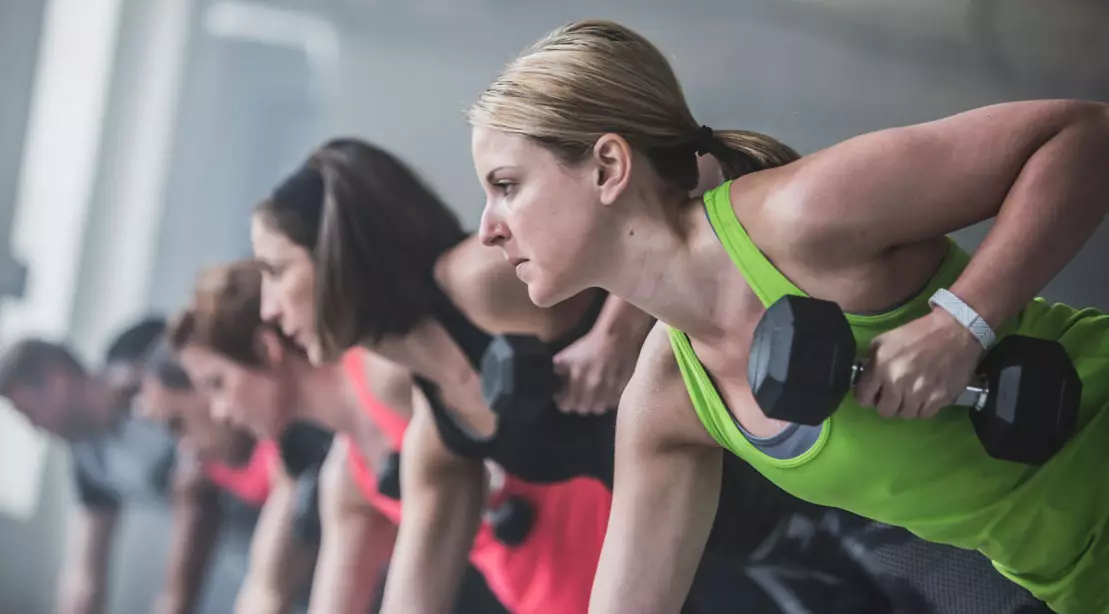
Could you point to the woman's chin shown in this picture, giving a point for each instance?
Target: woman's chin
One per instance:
(546, 295)
(315, 356)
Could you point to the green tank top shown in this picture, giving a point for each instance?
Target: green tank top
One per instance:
(1043, 527)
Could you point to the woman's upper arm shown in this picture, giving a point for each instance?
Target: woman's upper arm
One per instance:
(357, 539)
(338, 491)
(903, 185)
(391, 383)
(665, 494)
(657, 399)
(443, 494)
(425, 451)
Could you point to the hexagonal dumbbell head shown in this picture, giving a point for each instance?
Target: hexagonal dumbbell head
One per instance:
(512, 521)
(517, 376)
(801, 356)
(1032, 408)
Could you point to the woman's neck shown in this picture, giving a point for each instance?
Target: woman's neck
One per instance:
(325, 397)
(672, 267)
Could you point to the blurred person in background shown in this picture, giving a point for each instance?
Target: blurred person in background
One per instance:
(123, 457)
(255, 375)
(279, 482)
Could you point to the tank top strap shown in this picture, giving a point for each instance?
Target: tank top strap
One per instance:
(768, 283)
(393, 424)
(250, 483)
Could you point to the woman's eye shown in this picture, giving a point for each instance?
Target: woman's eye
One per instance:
(272, 271)
(504, 186)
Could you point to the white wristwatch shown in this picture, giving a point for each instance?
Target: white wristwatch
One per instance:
(964, 314)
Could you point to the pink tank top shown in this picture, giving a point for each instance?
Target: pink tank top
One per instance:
(552, 571)
(250, 483)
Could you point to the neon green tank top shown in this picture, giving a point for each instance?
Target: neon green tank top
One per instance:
(1043, 527)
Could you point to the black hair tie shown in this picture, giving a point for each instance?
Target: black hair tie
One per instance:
(704, 140)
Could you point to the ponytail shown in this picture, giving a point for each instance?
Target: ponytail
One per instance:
(591, 78)
(740, 152)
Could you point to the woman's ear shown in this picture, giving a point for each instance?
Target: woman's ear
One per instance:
(613, 157)
(272, 350)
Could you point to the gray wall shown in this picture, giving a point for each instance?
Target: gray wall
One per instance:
(809, 73)
(29, 550)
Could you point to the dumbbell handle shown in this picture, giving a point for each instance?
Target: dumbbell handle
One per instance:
(973, 396)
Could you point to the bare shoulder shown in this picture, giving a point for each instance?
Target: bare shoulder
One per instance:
(655, 408)
(390, 383)
(485, 287)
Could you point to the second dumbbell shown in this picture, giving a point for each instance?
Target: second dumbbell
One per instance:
(802, 364)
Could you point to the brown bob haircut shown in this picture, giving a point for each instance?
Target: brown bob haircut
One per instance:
(224, 315)
(374, 230)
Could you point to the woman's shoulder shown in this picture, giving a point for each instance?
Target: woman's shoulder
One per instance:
(484, 286)
(656, 400)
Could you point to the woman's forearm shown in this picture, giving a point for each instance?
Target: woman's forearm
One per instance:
(441, 516)
(196, 524)
(662, 512)
(84, 581)
(356, 541)
(1055, 205)
(355, 550)
(280, 563)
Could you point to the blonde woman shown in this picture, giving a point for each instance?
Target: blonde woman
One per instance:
(587, 151)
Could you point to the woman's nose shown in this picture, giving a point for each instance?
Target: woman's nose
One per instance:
(493, 231)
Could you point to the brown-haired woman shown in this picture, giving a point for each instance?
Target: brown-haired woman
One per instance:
(356, 250)
(254, 374)
(587, 151)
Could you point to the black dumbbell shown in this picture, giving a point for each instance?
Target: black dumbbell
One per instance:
(388, 475)
(512, 520)
(1025, 401)
(518, 377)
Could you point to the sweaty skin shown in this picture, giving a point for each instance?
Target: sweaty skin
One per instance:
(862, 223)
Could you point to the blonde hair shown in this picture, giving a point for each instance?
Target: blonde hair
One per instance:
(591, 78)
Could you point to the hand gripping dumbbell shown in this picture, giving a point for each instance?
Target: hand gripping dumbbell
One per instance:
(518, 377)
(1024, 400)
(388, 475)
(512, 520)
